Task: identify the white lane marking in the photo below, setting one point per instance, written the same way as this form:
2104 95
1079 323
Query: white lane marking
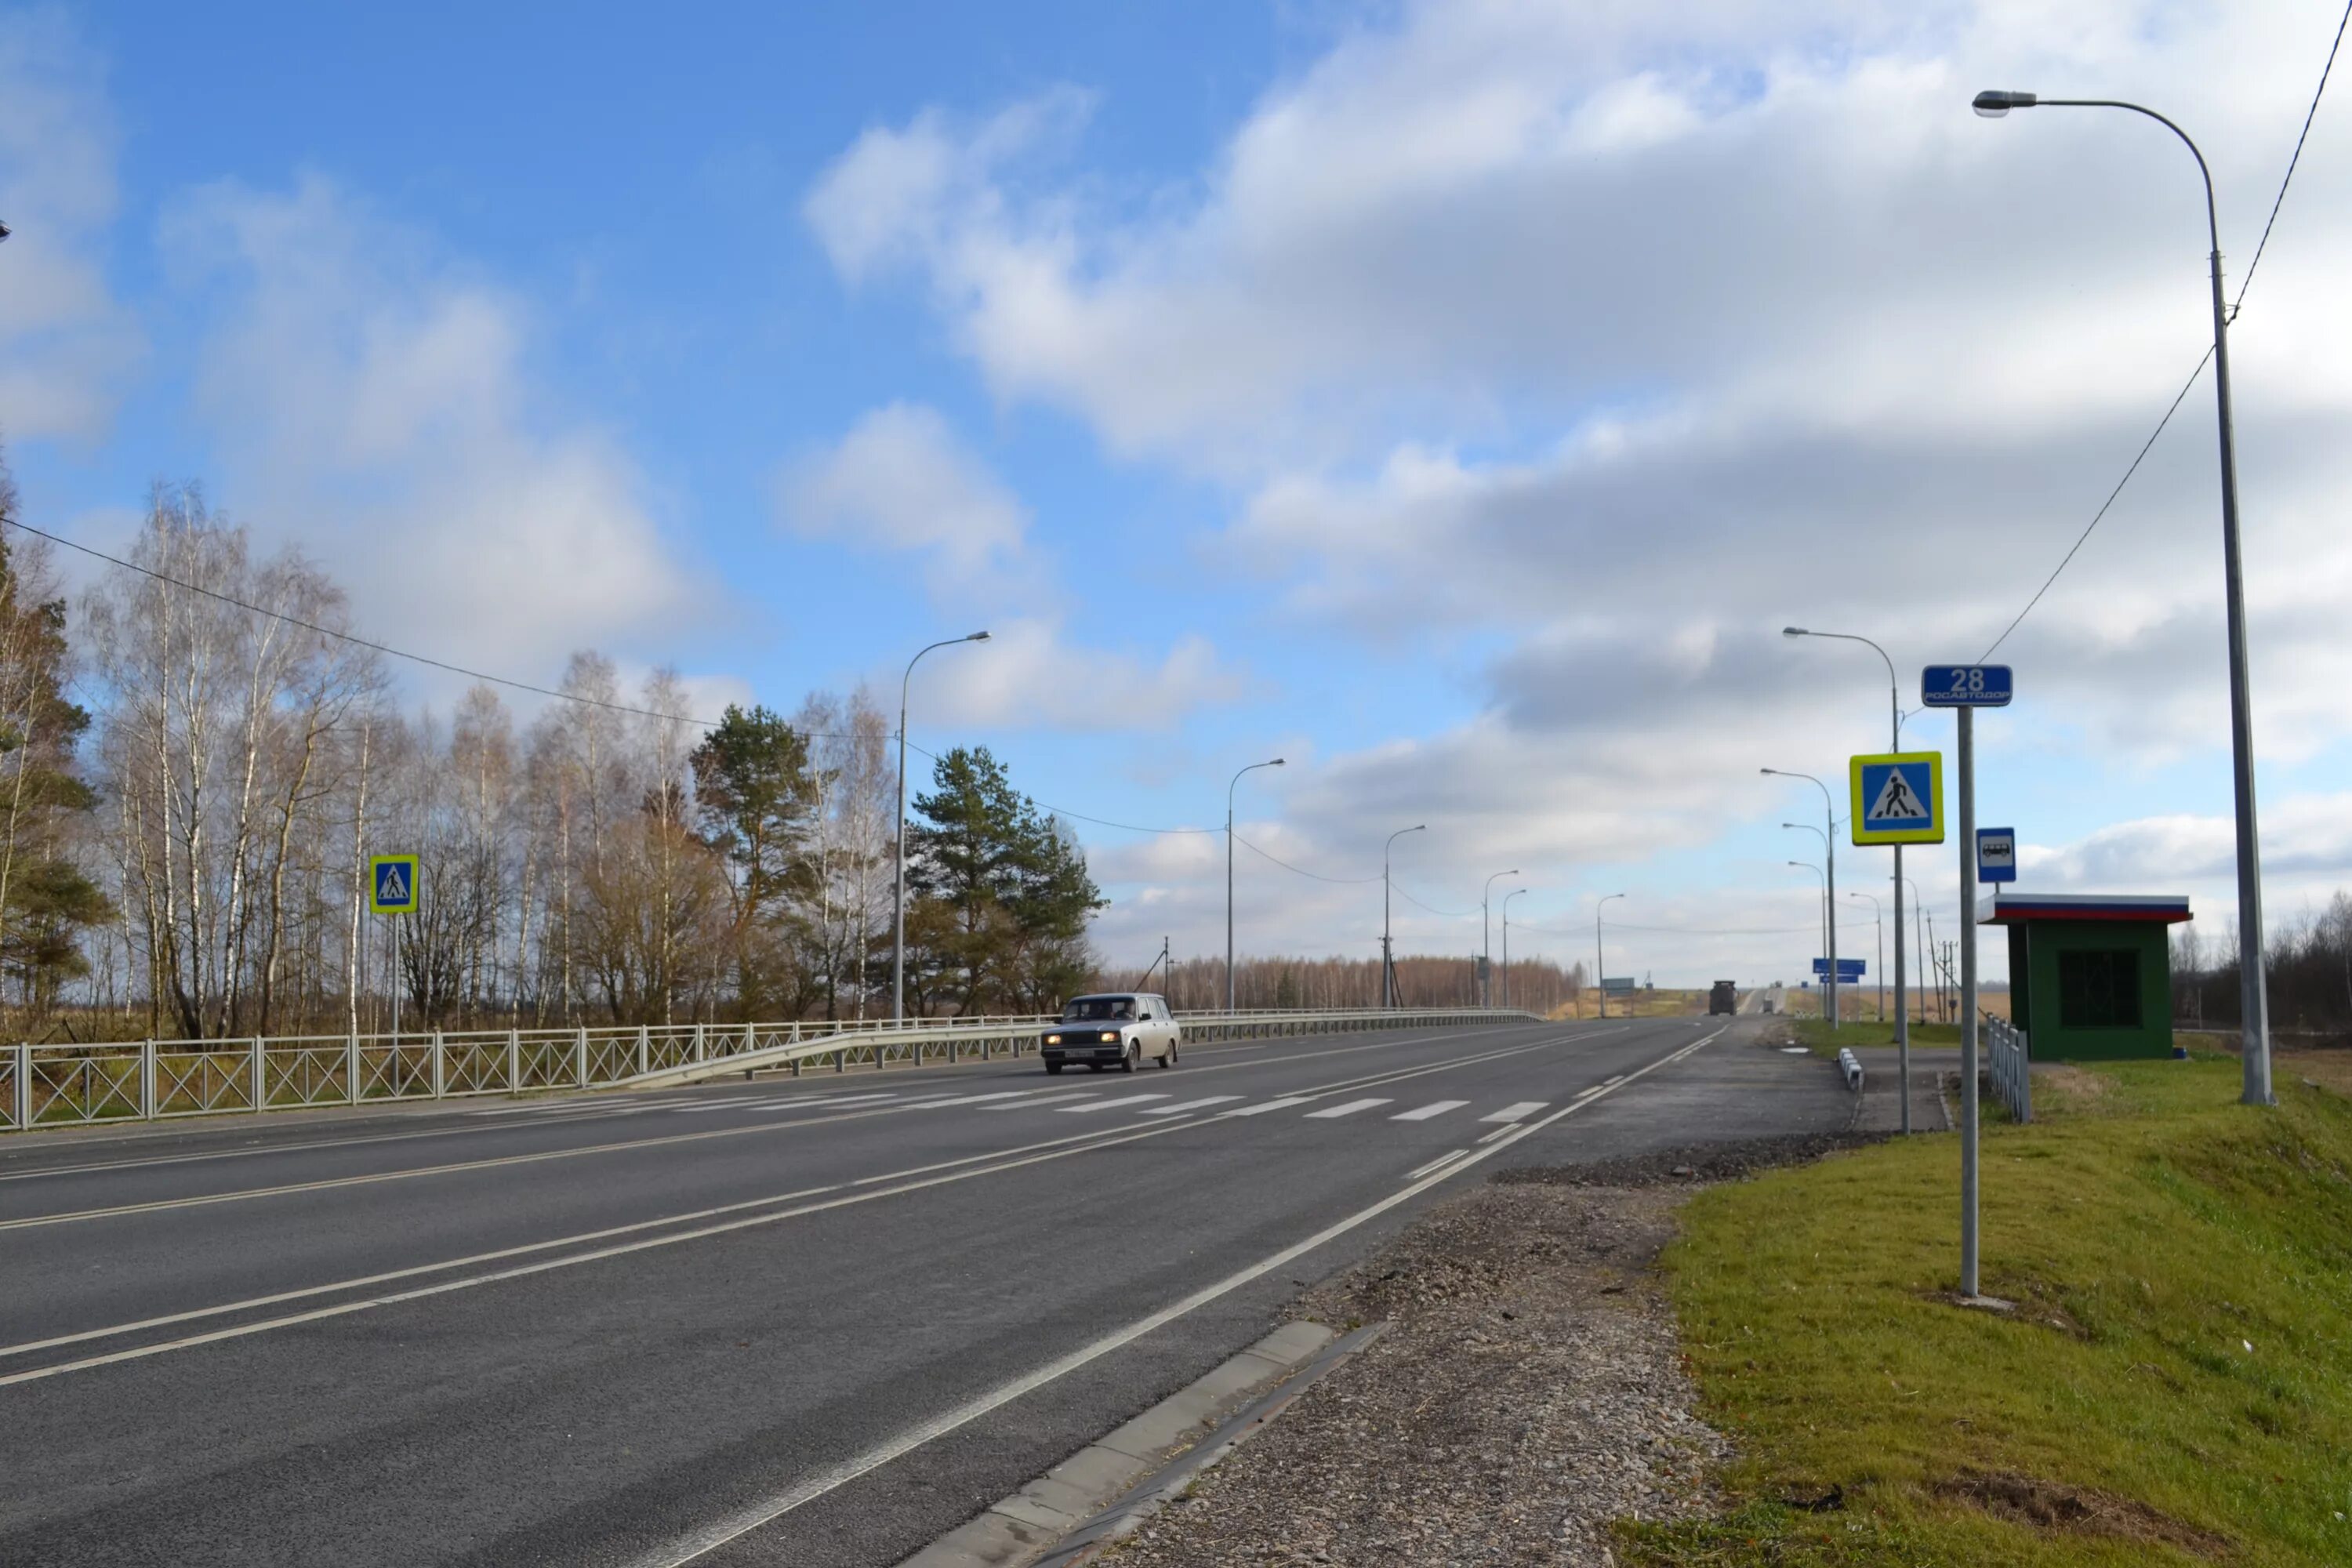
1518 1112
1111 1104
991 1163
712 1537
1446 1159
1434 1108
1260 1109
1185 1105
978 1099
1045 1100
1503 1132
1333 1112
1613 1083
585 1106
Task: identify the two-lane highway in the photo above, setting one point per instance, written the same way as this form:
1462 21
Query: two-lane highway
815 1321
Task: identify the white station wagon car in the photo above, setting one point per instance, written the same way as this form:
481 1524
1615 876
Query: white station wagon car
1119 1029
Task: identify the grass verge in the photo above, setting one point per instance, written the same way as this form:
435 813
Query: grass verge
2174 1385
1825 1041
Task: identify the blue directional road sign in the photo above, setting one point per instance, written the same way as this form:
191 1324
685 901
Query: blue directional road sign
1965 686
1848 968
1898 798
1996 853
391 888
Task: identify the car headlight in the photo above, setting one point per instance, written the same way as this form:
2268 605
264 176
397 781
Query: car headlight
1110 1036
1053 1039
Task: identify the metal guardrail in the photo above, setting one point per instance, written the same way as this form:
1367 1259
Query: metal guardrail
155 1080
2009 1065
1020 1039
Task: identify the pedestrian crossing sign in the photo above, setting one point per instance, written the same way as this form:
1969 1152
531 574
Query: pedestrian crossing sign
1898 798
392 884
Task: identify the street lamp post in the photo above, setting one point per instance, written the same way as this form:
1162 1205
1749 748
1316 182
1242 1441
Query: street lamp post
1272 762
1515 892
1599 955
898 880
1388 953
1829 892
1878 918
1486 937
2253 992
1816 871
1919 939
1894 744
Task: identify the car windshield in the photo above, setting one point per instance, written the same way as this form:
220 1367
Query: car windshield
1098 1009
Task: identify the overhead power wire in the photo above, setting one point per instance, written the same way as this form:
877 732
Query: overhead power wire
1432 908
357 641
2237 305
1696 931
1317 876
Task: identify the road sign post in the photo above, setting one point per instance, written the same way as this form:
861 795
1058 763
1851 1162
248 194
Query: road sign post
393 890
1967 687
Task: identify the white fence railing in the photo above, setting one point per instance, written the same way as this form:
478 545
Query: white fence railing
2009 1065
152 1080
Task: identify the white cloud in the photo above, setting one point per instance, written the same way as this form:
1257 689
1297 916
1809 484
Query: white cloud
67 345
901 479
1029 674
373 400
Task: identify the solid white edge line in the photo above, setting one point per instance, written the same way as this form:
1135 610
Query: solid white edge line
743 1521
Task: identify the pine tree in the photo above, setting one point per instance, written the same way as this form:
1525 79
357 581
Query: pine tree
1002 889
45 900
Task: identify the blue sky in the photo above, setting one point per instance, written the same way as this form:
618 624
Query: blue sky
1455 400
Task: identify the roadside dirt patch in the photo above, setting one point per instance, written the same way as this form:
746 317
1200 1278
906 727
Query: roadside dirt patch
1692 1163
2081 1511
1531 1391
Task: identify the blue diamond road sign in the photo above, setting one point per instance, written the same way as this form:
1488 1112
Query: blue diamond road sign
1965 686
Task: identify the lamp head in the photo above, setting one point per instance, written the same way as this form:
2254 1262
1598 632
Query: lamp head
1275 763
1992 104
1794 632
977 637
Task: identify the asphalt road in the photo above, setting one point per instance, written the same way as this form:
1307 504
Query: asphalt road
812 1323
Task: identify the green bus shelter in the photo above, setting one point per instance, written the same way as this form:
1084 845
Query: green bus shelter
2090 976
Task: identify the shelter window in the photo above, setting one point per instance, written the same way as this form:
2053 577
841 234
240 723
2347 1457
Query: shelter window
2099 989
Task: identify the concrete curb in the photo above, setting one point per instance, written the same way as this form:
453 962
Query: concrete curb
1128 1515
1019 1529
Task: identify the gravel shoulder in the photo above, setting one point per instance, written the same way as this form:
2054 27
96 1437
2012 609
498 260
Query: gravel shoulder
1530 1393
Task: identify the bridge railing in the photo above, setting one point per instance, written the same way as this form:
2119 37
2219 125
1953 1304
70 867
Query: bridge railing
153 1080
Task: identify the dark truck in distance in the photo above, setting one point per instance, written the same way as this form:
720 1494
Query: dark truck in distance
1723 998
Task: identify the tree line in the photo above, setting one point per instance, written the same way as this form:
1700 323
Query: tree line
185 849
2307 973
1537 984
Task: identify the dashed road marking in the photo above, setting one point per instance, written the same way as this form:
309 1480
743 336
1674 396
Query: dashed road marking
1434 1108
1518 1112
1113 1104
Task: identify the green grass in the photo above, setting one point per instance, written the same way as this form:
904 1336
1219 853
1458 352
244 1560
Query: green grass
2180 1359
1826 1041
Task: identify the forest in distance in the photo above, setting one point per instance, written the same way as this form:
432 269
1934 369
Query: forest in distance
190 791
